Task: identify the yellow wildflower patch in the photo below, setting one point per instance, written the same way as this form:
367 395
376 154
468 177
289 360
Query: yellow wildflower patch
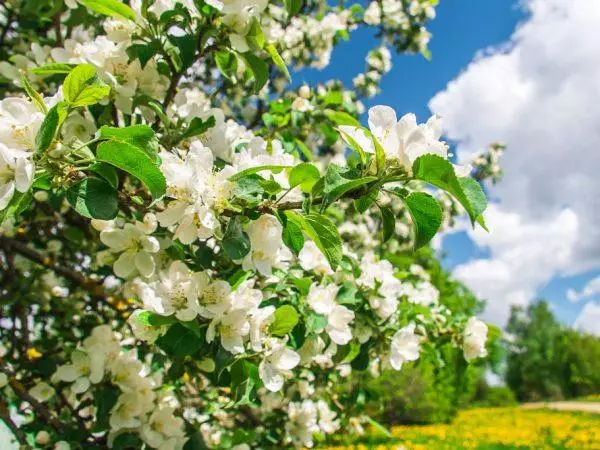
496 429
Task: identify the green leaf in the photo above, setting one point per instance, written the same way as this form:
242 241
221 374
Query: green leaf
19 203
475 196
53 69
91 95
315 323
249 189
140 136
77 81
292 236
336 185
293 7
107 172
426 215
235 240
278 60
198 126
365 202
253 170
259 69
286 318
47 131
150 319
245 380
94 198
341 118
34 95
180 341
323 232
380 428
226 63
439 172
354 146
304 175
135 162
186 45
112 8
104 401
255 38
127 441
389 222
144 52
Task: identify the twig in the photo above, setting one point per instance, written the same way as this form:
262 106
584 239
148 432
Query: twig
94 287
16 431
39 409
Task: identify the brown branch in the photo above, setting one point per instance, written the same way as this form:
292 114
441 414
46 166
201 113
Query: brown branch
94 287
39 409
16 431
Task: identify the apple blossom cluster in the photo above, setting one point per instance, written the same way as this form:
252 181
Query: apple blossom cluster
379 62
196 256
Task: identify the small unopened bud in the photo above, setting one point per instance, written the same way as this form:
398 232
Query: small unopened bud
42 438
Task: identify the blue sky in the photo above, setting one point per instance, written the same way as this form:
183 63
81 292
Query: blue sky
461 30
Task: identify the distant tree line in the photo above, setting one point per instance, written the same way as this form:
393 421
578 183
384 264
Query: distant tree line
548 360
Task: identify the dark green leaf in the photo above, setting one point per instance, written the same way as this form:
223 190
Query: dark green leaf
259 68
47 131
127 441
180 341
293 7
140 136
235 240
323 232
104 401
426 215
107 172
94 198
151 319
226 63
136 162
389 222
293 237
440 172
198 126
19 202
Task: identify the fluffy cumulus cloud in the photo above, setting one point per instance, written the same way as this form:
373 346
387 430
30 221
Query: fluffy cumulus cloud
539 94
589 319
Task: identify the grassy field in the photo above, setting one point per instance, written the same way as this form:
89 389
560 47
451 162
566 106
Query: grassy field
494 429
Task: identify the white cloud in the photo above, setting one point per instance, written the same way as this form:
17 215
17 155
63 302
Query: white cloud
540 94
589 319
589 290
525 255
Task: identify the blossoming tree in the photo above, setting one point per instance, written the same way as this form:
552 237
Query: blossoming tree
193 252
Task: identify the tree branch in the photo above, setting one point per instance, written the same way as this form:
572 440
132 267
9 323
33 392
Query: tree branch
94 287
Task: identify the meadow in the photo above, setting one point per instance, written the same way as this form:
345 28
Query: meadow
492 429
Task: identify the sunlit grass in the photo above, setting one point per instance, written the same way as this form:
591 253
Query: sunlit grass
494 429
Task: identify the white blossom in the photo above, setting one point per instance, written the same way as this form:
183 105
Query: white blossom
405 347
474 339
278 360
